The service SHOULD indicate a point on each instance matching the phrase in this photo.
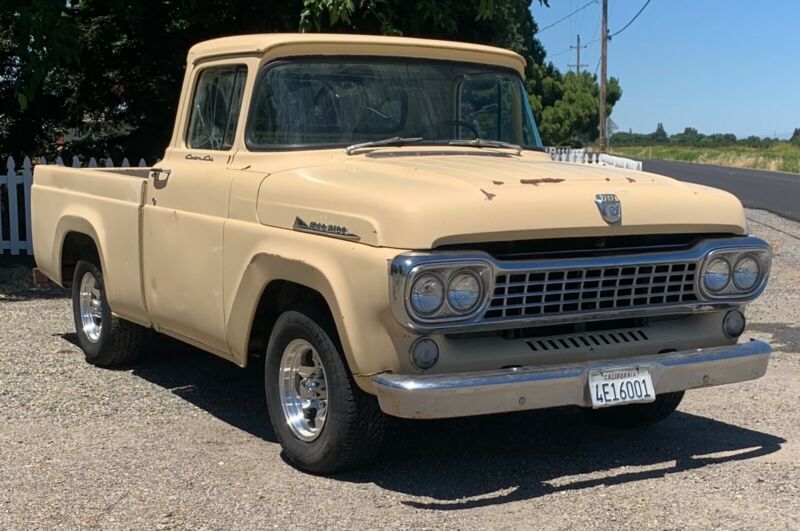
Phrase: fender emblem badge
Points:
(325, 229)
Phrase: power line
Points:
(631, 20)
(562, 19)
(562, 52)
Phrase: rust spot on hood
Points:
(489, 195)
(537, 182)
(631, 179)
(498, 183)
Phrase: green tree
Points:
(109, 71)
(37, 37)
(795, 139)
(659, 136)
(689, 137)
(574, 117)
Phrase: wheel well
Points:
(76, 245)
(283, 295)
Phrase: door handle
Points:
(158, 181)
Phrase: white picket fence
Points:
(581, 156)
(15, 201)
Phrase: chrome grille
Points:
(592, 289)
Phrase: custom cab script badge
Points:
(205, 158)
(315, 227)
(610, 208)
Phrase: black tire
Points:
(638, 415)
(353, 429)
(119, 343)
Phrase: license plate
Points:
(614, 387)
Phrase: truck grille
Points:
(592, 289)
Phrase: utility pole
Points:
(603, 77)
(578, 64)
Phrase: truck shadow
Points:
(469, 463)
(474, 462)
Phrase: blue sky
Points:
(730, 66)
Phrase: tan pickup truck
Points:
(376, 219)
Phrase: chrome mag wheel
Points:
(91, 307)
(303, 390)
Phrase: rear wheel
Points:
(323, 421)
(106, 340)
(638, 415)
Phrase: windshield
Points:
(341, 101)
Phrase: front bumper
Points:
(522, 388)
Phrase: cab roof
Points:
(345, 44)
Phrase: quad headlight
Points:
(717, 275)
(427, 294)
(464, 291)
(734, 272)
(445, 291)
(746, 273)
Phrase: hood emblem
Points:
(610, 208)
(316, 227)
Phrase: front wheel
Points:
(323, 421)
(638, 415)
(106, 340)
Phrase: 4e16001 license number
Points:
(620, 386)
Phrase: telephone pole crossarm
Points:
(578, 47)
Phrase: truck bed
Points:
(104, 203)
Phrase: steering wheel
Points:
(462, 123)
(370, 110)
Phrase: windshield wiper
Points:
(394, 141)
(479, 142)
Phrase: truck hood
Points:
(424, 199)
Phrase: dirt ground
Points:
(183, 442)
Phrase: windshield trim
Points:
(262, 74)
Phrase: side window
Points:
(216, 104)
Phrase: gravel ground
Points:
(182, 441)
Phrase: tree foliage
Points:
(692, 138)
(574, 116)
(108, 72)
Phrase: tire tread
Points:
(122, 346)
(363, 422)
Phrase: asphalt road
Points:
(777, 192)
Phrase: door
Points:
(185, 213)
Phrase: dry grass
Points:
(779, 157)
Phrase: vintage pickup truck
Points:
(376, 219)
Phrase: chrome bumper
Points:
(518, 389)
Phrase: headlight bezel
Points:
(732, 255)
(447, 270)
